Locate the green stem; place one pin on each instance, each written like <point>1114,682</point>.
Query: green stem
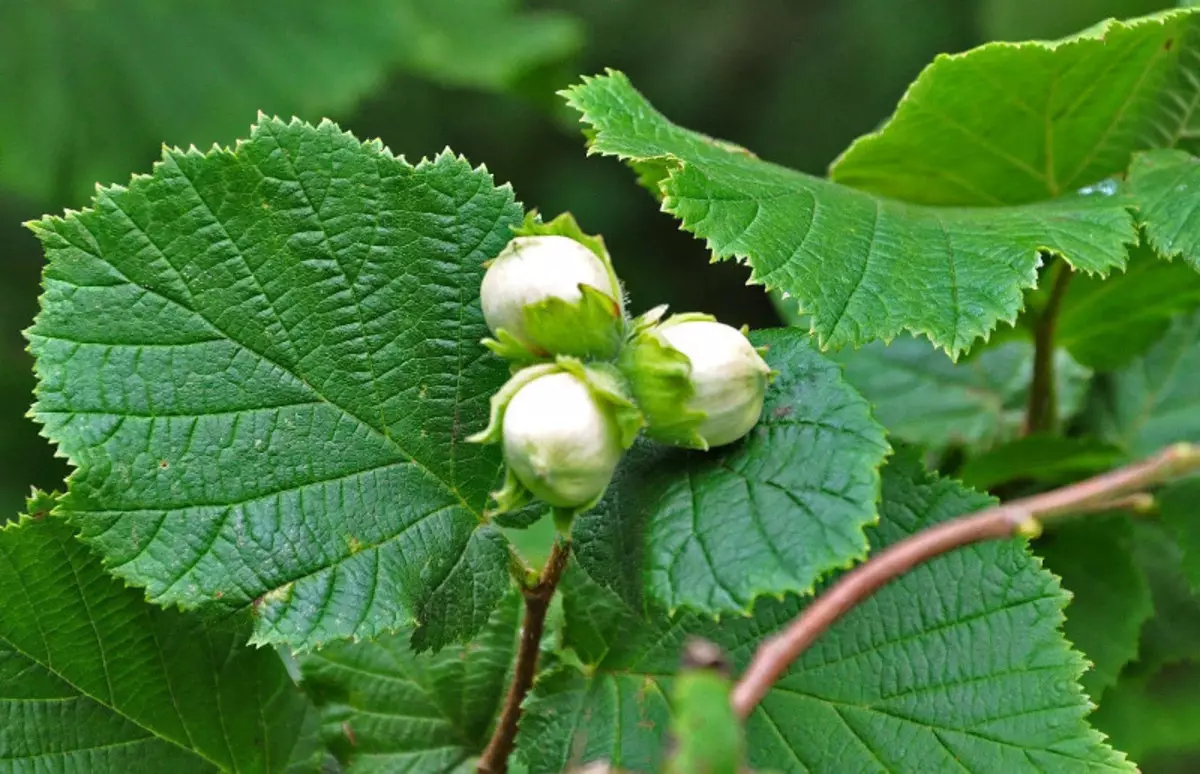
<point>1041,414</point>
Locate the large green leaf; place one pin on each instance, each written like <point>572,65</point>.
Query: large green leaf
<point>1110,597</point>
<point>1166,185</point>
<point>863,266</point>
<point>1155,401</point>
<point>263,363</point>
<point>93,679</point>
<point>1106,323</point>
<point>769,515</point>
<point>385,708</point>
<point>958,665</point>
<point>92,89</point>
<point>921,396</point>
<point>1007,123</point>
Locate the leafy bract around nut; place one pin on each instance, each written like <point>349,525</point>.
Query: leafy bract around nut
<point>700,383</point>
<point>564,427</point>
<point>552,291</point>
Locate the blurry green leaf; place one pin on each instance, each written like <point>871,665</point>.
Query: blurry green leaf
<point>1047,459</point>
<point>92,88</point>
<point>1179,505</point>
<point>1020,20</point>
<point>864,267</point>
<point>479,43</point>
<point>770,514</point>
<point>1166,185</point>
<point>263,363</point>
<point>1007,124</point>
<point>93,679</point>
<point>1106,323</point>
<point>706,736</point>
<point>1153,714</point>
<point>921,396</point>
<point>1155,400</point>
<point>385,708</point>
<point>1173,634</point>
<point>1110,596</point>
<point>957,665</point>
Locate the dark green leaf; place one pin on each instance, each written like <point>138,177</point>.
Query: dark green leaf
<point>92,89</point>
<point>385,708</point>
<point>1155,400</point>
<point>1110,596</point>
<point>864,267</point>
<point>958,665</point>
<point>1106,323</point>
<point>924,398</point>
<point>1173,634</point>
<point>770,514</point>
<point>1008,123</point>
<point>263,363</point>
<point>93,679</point>
<point>1047,459</point>
<point>1179,505</point>
<point>1020,20</point>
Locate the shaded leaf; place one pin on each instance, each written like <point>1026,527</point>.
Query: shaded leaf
<point>1009,123</point>
<point>864,267</point>
<point>921,396</point>
<point>94,679</point>
<point>385,708</point>
<point>1154,714</point>
<point>958,665</point>
<point>263,363</point>
<point>92,89</point>
<point>1155,400</point>
<point>1179,505</point>
<point>1173,634</point>
<point>771,514</point>
<point>1110,595</point>
<point>1106,323</point>
<point>1046,459</point>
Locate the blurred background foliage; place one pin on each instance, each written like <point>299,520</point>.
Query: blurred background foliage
<point>89,89</point>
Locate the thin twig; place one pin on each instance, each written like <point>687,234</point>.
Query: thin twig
<point>1041,414</point>
<point>1018,517</point>
<point>537,602</point>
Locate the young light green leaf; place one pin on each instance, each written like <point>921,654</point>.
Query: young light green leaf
<point>94,679</point>
<point>1106,323</point>
<point>264,362</point>
<point>961,659</point>
<point>1155,401</point>
<point>1008,123</point>
<point>1110,598</point>
<point>385,708</point>
<point>1166,186</point>
<point>306,57</point>
<point>863,266</point>
<point>924,398</point>
<point>767,515</point>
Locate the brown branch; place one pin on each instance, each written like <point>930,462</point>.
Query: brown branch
<point>1041,414</point>
<point>537,602</point>
<point>1116,488</point>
